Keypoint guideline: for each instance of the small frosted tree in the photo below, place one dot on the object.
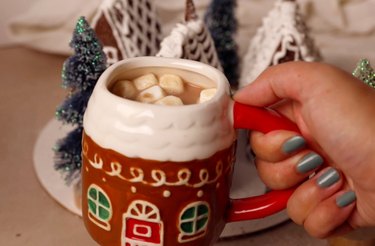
(221, 21)
(365, 72)
(79, 75)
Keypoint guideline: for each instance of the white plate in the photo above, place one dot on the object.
(245, 181)
(50, 179)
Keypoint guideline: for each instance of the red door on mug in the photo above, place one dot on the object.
(143, 231)
(142, 225)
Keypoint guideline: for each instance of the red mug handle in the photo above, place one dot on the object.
(263, 120)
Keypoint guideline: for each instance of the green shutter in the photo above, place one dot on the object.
(187, 227)
(188, 214)
(93, 193)
(103, 200)
(92, 206)
(103, 213)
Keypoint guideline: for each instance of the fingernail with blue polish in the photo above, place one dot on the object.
(328, 178)
(309, 162)
(346, 199)
(293, 144)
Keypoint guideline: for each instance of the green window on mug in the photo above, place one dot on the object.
(194, 218)
(99, 204)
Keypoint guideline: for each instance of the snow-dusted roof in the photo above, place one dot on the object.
(190, 40)
(134, 26)
(282, 37)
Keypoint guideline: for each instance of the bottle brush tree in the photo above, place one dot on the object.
(79, 75)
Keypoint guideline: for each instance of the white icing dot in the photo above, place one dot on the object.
(217, 185)
(87, 169)
(104, 179)
(200, 193)
(166, 193)
(133, 189)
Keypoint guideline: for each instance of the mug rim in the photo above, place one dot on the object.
(212, 73)
(113, 121)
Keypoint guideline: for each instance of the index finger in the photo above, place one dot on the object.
(298, 81)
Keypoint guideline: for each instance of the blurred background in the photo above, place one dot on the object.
(8, 10)
(343, 29)
(34, 38)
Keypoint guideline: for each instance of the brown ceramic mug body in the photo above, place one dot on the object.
(158, 175)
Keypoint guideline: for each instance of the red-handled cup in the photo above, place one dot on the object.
(161, 175)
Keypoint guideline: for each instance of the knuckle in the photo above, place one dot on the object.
(272, 177)
(317, 231)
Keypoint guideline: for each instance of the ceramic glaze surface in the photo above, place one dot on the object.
(163, 133)
(155, 175)
(133, 201)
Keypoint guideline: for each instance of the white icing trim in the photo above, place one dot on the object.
(173, 45)
(116, 29)
(154, 132)
(128, 44)
(159, 177)
(111, 53)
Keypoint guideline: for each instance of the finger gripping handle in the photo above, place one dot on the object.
(263, 120)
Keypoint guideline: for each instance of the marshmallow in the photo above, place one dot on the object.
(151, 94)
(145, 81)
(172, 84)
(170, 101)
(124, 88)
(206, 95)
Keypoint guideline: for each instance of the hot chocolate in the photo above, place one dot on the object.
(163, 87)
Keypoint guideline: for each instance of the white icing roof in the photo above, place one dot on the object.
(283, 25)
(136, 31)
(201, 48)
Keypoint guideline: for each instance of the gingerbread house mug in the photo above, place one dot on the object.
(161, 175)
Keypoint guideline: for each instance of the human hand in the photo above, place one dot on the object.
(335, 113)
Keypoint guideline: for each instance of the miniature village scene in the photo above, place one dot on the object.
(123, 29)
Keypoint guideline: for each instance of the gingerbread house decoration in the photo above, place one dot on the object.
(127, 28)
(190, 40)
(282, 37)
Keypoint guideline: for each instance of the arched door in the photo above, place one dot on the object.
(142, 224)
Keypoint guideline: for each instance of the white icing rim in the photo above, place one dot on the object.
(164, 133)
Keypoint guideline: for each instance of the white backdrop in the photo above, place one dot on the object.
(8, 10)
(344, 30)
